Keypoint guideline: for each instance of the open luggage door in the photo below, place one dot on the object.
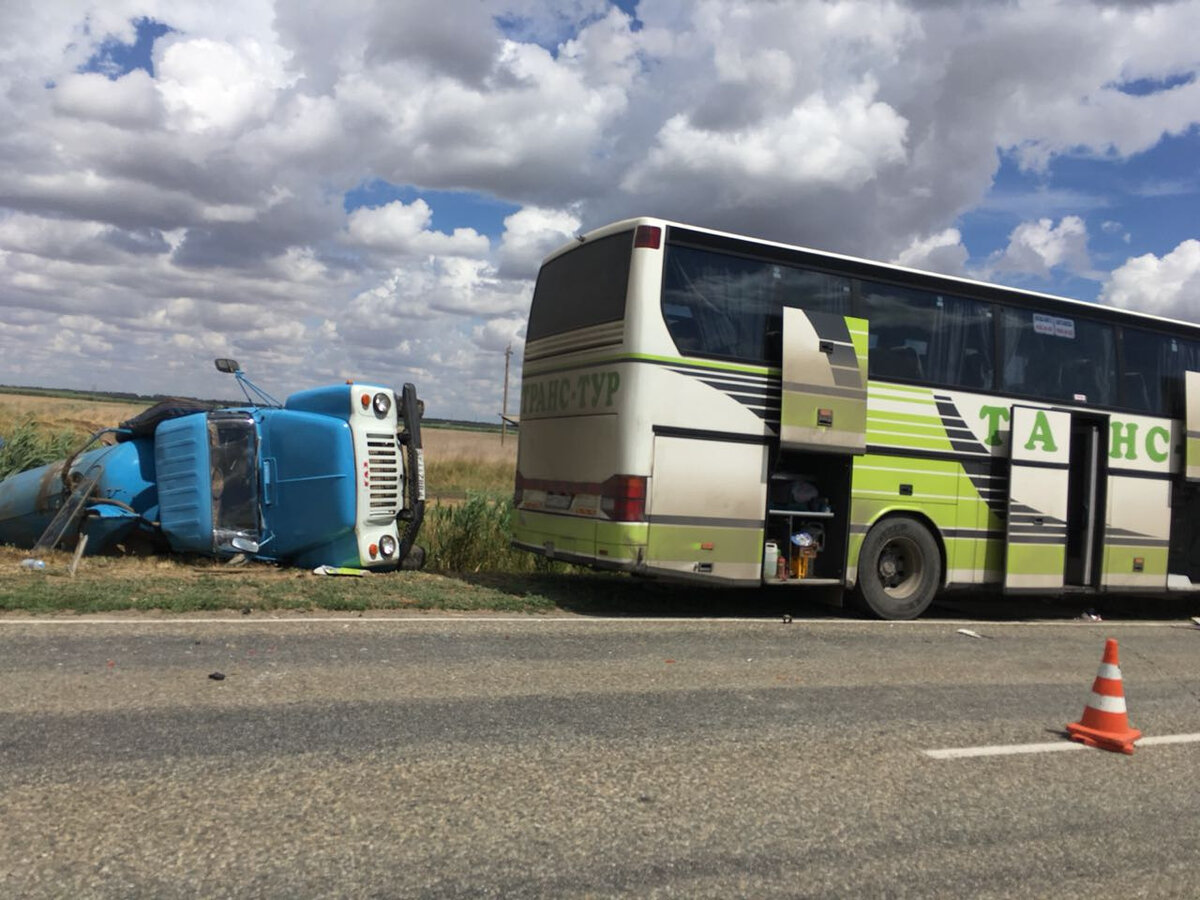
(824, 400)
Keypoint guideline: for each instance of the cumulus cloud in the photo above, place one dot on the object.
(531, 234)
(942, 252)
(1166, 286)
(1035, 248)
(130, 101)
(397, 229)
(196, 205)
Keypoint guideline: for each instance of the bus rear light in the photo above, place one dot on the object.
(622, 498)
(647, 236)
(628, 498)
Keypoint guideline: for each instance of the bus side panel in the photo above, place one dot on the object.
(706, 510)
(926, 489)
(1137, 533)
(917, 475)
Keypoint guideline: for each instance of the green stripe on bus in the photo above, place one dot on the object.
(567, 533)
(683, 542)
(925, 393)
(1192, 458)
(908, 441)
(660, 360)
(1036, 559)
(896, 418)
(1120, 560)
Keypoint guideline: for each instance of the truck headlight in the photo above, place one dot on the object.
(387, 546)
(382, 404)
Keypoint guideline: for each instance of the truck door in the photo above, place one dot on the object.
(824, 400)
(1037, 500)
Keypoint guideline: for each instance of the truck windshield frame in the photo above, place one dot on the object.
(233, 465)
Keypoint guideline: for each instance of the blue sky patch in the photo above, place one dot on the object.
(114, 59)
(1131, 207)
(1141, 87)
(451, 209)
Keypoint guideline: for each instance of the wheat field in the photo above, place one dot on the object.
(63, 413)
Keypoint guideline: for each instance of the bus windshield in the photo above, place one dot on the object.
(583, 287)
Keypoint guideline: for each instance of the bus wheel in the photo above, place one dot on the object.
(899, 569)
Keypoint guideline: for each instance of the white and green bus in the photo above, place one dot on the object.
(704, 406)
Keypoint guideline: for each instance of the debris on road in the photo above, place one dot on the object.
(217, 676)
(338, 570)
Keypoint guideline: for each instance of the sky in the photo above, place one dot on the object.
(358, 189)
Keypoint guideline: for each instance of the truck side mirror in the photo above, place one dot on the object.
(228, 366)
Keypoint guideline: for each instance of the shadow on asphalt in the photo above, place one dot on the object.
(598, 594)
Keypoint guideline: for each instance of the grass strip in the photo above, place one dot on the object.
(252, 590)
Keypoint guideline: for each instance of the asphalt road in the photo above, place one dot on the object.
(569, 757)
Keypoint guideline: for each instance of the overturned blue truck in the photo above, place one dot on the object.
(333, 476)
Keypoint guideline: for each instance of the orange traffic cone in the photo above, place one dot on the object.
(1105, 724)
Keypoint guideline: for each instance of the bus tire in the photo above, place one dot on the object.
(899, 569)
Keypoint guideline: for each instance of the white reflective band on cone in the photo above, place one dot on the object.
(1108, 670)
(1107, 704)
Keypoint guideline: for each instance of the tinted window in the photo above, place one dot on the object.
(1154, 366)
(927, 337)
(585, 286)
(716, 304)
(1057, 357)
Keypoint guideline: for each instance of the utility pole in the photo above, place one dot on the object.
(504, 404)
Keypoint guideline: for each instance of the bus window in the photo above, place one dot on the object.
(923, 336)
(1057, 357)
(585, 286)
(1154, 365)
(716, 304)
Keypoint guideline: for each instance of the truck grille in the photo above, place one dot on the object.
(384, 474)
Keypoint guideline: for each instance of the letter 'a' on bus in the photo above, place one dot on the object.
(694, 402)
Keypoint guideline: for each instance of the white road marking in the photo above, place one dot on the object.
(1168, 739)
(1054, 747)
(1002, 750)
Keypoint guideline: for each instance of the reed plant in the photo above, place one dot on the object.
(456, 477)
(28, 445)
(474, 536)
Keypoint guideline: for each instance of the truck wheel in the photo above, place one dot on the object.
(899, 569)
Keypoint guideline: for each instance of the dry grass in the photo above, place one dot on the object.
(458, 462)
(64, 414)
(477, 446)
